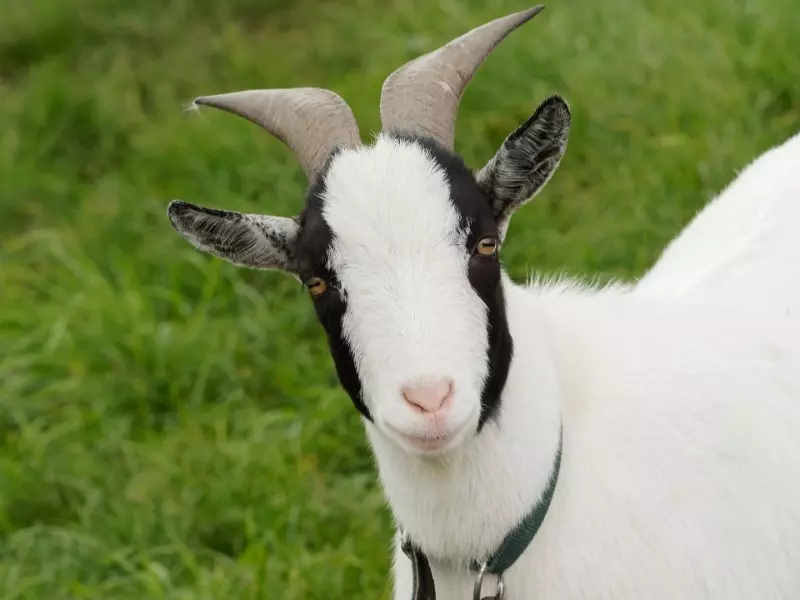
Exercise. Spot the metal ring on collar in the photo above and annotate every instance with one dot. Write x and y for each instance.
(476, 594)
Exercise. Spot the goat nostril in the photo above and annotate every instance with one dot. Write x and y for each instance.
(429, 397)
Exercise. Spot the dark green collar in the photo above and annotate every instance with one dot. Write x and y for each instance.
(510, 549)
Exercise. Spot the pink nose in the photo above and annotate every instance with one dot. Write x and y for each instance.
(429, 397)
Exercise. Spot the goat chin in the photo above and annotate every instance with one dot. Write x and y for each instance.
(680, 402)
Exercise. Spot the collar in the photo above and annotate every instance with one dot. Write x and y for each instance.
(511, 548)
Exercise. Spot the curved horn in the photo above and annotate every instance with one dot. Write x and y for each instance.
(422, 97)
(311, 121)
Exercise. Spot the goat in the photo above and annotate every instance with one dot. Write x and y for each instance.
(552, 439)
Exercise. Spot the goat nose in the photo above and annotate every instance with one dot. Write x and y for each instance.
(429, 397)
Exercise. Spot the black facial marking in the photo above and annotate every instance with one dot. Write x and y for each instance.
(313, 246)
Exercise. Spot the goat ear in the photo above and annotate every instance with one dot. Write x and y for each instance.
(526, 161)
(253, 241)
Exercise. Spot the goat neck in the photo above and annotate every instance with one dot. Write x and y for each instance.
(460, 506)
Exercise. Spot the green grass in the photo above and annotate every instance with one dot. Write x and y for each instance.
(171, 426)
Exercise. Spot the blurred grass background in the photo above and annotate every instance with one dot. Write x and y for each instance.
(171, 426)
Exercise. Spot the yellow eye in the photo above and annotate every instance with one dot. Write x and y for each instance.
(487, 246)
(316, 286)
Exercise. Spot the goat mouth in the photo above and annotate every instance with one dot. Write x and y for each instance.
(432, 441)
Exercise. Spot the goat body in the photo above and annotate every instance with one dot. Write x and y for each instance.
(680, 403)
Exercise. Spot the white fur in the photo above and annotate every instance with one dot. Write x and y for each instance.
(680, 464)
(680, 397)
(737, 246)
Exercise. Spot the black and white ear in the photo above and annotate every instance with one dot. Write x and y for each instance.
(253, 241)
(526, 161)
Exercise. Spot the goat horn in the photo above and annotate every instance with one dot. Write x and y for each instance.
(422, 97)
(311, 121)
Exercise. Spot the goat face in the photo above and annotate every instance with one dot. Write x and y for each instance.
(399, 246)
(399, 241)
(404, 243)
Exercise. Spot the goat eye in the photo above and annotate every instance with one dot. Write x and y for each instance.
(316, 286)
(487, 246)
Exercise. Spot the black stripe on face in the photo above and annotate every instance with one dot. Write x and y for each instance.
(484, 273)
(313, 247)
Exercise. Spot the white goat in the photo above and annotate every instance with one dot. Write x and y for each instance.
(672, 406)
